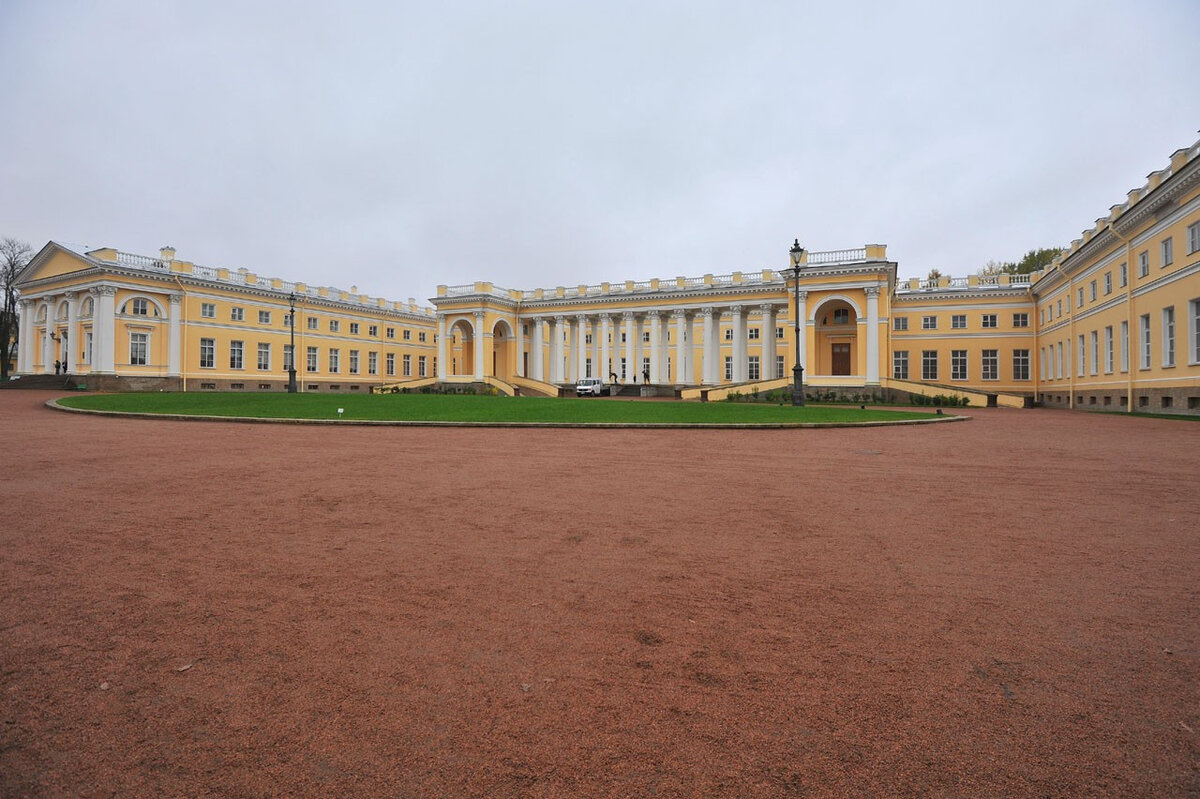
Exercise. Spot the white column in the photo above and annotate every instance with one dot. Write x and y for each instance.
(536, 354)
(655, 347)
(581, 327)
(518, 333)
(25, 350)
(443, 361)
(47, 342)
(556, 351)
(740, 362)
(478, 346)
(69, 342)
(767, 336)
(175, 335)
(598, 369)
(681, 376)
(664, 351)
(802, 317)
(873, 336)
(605, 341)
(630, 346)
(104, 325)
(710, 359)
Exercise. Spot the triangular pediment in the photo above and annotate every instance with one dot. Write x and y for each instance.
(53, 260)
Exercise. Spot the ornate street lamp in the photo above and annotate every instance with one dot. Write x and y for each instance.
(797, 254)
(292, 360)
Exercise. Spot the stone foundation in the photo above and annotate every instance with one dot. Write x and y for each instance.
(1184, 401)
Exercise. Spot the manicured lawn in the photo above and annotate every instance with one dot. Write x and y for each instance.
(460, 408)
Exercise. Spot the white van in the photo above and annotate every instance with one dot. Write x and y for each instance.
(589, 387)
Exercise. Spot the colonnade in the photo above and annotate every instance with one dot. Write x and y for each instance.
(643, 341)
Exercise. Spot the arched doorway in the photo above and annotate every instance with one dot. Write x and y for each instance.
(836, 344)
(503, 350)
(462, 348)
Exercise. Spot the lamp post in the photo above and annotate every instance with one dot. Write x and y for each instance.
(292, 360)
(797, 254)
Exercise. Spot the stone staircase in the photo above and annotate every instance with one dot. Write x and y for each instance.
(41, 383)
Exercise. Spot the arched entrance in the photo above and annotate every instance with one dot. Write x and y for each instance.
(836, 345)
(462, 348)
(503, 350)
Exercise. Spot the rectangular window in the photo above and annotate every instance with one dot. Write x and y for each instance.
(353, 362)
(989, 365)
(1143, 263)
(236, 354)
(208, 310)
(421, 337)
(1094, 351)
(335, 357)
(1108, 350)
(237, 314)
(1144, 338)
(391, 364)
(929, 364)
(989, 320)
(287, 357)
(1124, 346)
(421, 366)
(1020, 320)
(1107, 283)
(958, 321)
(1193, 323)
(1081, 360)
(729, 334)
(1079, 298)
(900, 323)
(646, 337)
(1020, 364)
(208, 353)
(1193, 237)
(1092, 291)
(1168, 336)
(752, 368)
(354, 328)
(287, 320)
(373, 330)
(752, 334)
(312, 359)
(264, 356)
(1058, 361)
(958, 364)
(728, 368)
(391, 332)
(900, 365)
(335, 325)
(929, 323)
(372, 363)
(139, 344)
(87, 347)
(1124, 275)
(405, 335)
(408, 366)
(779, 331)
(1059, 314)
(779, 366)
(313, 322)
(1167, 250)
(264, 317)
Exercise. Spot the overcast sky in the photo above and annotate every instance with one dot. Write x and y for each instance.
(398, 145)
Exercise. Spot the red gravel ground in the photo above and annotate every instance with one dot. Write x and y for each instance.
(1004, 607)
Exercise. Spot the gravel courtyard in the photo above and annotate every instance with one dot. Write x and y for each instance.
(1006, 606)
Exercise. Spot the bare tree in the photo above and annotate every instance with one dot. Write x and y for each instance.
(14, 255)
(934, 274)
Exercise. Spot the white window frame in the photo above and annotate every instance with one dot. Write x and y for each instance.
(1143, 263)
(1168, 336)
(900, 365)
(958, 321)
(264, 356)
(753, 367)
(237, 354)
(390, 364)
(1167, 251)
(407, 365)
(353, 362)
(1094, 352)
(144, 342)
(1194, 329)
(958, 364)
(421, 362)
(335, 325)
(1021, 319)
(264, 317)
(1081, 361)
(1107, 283)
(1108, 350)
(1144, 340)
(1124, 346)
(1124, 275)
(372, 363)
(312, 360)
(208, 310)
(1020, 364)
(208, 353)
(1193, 237)
(929, 322)
(354, 328)
(990, 320)
(314, 323)
(900, 323)
(989, 365)
(929, 364)
(752, 335)
(139, 306)
(335, 360)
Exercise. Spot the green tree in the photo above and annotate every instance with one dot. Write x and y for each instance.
(1031, 262)
(13, 257)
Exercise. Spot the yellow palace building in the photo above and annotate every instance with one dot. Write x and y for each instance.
(1113, 323)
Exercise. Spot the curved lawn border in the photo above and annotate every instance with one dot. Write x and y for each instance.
(186, 417)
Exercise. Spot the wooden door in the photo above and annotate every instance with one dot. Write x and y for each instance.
(841, 359)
